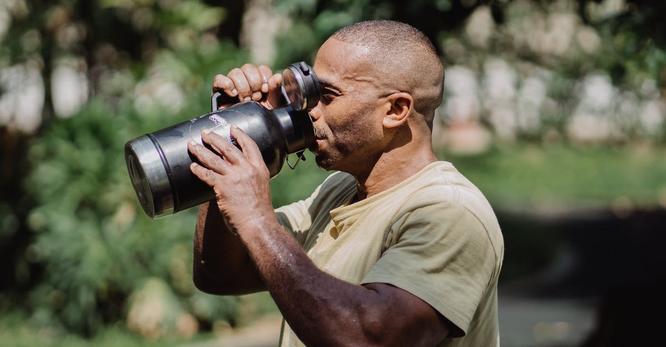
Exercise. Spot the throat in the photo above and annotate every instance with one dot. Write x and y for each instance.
(389, 171)
(360, 193)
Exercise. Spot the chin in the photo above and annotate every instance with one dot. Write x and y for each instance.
(324, 162)
(327, 157)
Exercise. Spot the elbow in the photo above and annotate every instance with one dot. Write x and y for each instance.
(373, 329)
(222, 285)
(203, 283)
(207, 284)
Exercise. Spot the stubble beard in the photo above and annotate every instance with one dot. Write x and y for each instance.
(343, 153)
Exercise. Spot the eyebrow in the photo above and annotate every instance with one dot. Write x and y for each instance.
(324, 83)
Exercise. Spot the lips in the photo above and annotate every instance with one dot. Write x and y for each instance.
(316, 144)
(319, 134)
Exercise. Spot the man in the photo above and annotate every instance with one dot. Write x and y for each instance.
(396, 248)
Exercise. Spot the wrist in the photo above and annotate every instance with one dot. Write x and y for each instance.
(258, 222)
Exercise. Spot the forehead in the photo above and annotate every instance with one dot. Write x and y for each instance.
(344, 64)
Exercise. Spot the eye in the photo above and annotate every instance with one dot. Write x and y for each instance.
(328, 95)
(327, 98)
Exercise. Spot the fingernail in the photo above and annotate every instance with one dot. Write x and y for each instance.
(264, 87)
(206, 131)
(193, 143)
(234, 92)
(247, 98)
(193, 165)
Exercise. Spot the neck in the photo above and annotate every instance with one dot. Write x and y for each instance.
(394, 165)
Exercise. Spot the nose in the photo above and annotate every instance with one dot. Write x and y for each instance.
(315, 112)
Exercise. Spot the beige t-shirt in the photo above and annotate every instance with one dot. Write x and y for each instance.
(433, 235)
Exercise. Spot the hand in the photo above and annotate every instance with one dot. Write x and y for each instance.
(239, 178)
(250, 82)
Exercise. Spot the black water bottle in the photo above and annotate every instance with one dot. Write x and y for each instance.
(159, 163)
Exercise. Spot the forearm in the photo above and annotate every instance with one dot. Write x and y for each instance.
(321, 309)
(221, 263)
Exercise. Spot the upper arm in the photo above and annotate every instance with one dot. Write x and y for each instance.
(399, 318)
(221, 264)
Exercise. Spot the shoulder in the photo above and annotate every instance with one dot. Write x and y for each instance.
(448, 203)
(337, 181)
(448, 191)
(335, 189)
(439, 220)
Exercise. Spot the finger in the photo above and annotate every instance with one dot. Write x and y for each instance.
(266, 74)
(247, 145)
(256, 96)
(220, 144)
(254, 79)
(274, 84)
(204, 174)
(222, 83)
(241, 84)
(207, 158)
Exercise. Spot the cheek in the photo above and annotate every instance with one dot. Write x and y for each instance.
(349, 111)
(355, 127)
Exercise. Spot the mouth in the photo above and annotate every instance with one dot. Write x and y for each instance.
(317, 144)
(319, 137)
(319, 134)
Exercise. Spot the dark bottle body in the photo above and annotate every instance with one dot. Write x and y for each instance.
(159, 163)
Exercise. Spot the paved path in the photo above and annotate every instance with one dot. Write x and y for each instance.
(265, 332)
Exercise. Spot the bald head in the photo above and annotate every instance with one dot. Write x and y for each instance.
(403, 57)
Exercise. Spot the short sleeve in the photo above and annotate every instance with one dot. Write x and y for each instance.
(442, 255)
(296, 218)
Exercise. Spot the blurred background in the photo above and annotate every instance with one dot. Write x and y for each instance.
(555, 109)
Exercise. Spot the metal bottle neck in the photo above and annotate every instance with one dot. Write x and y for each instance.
(296, 127)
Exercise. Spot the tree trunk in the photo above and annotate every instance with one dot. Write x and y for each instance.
(261, 25)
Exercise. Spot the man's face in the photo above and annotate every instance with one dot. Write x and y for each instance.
(348, 118)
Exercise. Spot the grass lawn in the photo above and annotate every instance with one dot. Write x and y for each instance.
(568, 177)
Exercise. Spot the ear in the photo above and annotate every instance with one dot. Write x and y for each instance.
(401, 107)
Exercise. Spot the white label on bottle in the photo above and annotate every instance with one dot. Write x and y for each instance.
(222, 127)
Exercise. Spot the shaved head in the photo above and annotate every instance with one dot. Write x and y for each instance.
(405, 59)
(380, 83)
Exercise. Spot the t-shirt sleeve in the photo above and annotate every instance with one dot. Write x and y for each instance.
(295, 218)
(442, 255)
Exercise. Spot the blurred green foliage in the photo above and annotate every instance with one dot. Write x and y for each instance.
(87, 255)
(15, 332)
(95, 241)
